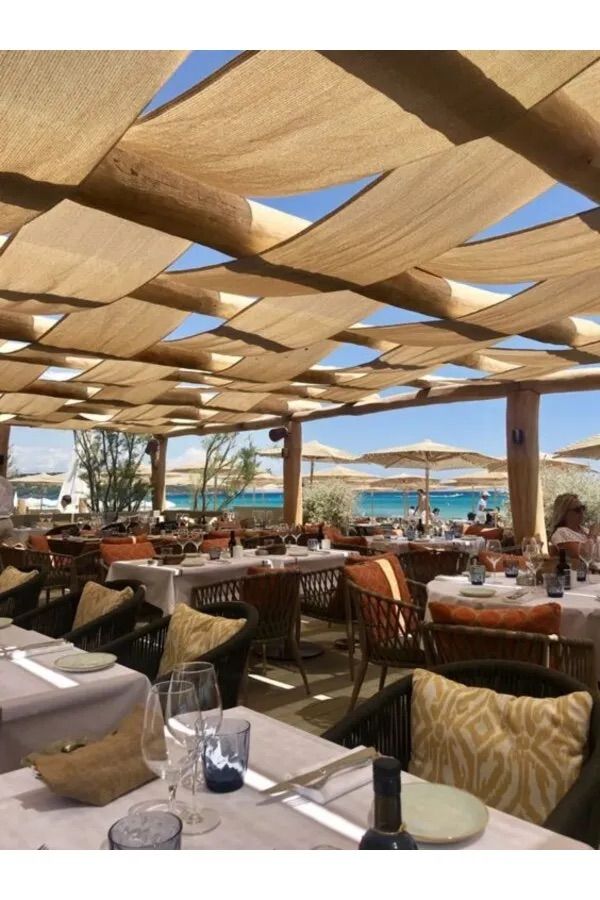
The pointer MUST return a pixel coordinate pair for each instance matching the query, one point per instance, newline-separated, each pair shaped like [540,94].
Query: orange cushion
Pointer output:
[333,533]
[351,541]
[39,542]
[222,534]
[472,529]
[121,552]
[542,619]
[221,543]
[484,559]
[124,539]
[368,574]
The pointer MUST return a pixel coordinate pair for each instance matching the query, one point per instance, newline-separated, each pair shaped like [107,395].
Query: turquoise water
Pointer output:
[452,504]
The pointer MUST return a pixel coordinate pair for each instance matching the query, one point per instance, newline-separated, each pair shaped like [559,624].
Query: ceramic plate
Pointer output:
[4,623]
[477,591]
[85,662]
[192,561]
[440,814]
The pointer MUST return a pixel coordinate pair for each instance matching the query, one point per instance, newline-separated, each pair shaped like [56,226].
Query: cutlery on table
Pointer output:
[38,646]
[317,777]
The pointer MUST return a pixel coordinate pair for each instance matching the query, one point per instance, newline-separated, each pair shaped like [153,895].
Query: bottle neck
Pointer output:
[388,813]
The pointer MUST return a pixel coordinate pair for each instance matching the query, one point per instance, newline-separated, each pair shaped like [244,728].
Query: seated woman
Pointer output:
[567,530]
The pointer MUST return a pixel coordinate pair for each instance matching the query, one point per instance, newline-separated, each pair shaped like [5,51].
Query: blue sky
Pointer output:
[564,417]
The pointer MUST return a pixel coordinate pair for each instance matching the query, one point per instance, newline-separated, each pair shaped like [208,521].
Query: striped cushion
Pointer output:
[192,633]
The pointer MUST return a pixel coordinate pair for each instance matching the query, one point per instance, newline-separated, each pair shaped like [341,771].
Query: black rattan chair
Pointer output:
[55,619]
[383,722]
[424,564]
[142,649]
[21,599]
[323,597]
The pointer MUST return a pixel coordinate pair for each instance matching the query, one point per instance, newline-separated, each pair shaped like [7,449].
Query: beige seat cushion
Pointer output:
[97,600]
[11,578]
[192,633]
[517,754]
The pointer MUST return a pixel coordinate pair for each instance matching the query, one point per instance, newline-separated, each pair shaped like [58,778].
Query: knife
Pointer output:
[57,643]
[338,765]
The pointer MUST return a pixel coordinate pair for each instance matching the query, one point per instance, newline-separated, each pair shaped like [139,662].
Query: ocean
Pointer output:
[452,504]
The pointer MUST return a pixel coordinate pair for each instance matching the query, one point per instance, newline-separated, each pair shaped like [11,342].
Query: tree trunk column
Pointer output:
[292,475]
[4,442]
[158,463]
[523,463]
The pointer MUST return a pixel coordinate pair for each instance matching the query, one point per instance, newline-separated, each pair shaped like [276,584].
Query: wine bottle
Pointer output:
[388,831]
[564,569]
[320,535]
[231,542]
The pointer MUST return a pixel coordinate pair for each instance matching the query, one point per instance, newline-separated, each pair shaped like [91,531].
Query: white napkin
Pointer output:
[338,784]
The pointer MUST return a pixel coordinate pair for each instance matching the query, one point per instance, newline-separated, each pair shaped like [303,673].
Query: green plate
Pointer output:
[440,814]
[477,591]
[85,662]
[4,623]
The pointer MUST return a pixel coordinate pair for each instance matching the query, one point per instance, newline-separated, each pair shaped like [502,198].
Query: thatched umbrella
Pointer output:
[315,452]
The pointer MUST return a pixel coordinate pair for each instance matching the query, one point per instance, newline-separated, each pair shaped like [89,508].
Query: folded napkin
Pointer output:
[338,784]
[100,771]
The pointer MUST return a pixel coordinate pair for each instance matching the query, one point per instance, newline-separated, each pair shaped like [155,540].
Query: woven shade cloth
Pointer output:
[100,200]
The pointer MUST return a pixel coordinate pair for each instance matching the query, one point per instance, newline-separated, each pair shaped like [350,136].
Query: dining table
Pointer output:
[33,816]
[167,585]
[40,704]
[400,544]
[580,616]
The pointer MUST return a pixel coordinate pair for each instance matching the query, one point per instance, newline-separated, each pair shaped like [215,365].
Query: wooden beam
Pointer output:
[158,464]
[292,475]
[523,464]
[4,445]
[135,188]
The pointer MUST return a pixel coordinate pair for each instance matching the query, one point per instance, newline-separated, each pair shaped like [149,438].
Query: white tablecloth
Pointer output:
[31,815]
[400,544]
[168,585]
[580,610]
[34,711]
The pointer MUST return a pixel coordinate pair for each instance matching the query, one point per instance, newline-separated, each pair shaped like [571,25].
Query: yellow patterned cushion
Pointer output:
[517,754]
[97,600]
[192,633]
[11,578]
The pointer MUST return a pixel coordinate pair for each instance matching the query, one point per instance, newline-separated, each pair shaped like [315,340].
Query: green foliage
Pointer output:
[109,465]
[571,480]
[232,468]
[332,503]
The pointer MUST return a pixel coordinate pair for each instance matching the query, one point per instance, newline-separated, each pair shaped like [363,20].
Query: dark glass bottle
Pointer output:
[563,568]
[421,527]
[388,832]
[231,542]
[320,535]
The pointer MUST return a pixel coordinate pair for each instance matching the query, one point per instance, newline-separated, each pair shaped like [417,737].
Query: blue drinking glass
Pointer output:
[225,756]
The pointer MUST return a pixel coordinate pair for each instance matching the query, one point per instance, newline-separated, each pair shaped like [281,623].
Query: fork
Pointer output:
[43,847]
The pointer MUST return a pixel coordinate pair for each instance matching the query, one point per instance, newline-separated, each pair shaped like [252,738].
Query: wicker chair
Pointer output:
[323,597]
[459,643]
[389,634]
[424,564]
[383,722]
[56,618]
[142,649]
[21,599]
[220,592]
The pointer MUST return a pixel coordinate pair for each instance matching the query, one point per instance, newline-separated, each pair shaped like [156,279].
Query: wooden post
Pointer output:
[158,463]
[427,517]
[4,442]
[292,475]
[523,463]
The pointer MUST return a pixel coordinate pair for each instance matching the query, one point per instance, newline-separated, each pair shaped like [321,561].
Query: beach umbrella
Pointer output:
[546,459]
[343,473]
[315,452]
[480,479]
[427,455]
[404,482]
[43,479]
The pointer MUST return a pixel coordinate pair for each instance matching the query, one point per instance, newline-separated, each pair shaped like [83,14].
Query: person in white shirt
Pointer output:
[482,507]
[422,504]
[7,505]
[567,530]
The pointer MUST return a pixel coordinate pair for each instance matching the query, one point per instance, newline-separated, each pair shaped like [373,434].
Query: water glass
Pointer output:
[146,831]
[511,567]
[312,544]
[214,553]
[477,574]
[225,756]
[554,584]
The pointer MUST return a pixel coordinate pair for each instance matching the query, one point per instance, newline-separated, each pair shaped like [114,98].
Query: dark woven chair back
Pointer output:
[388,629]
[424,564]
[64,529]
[190,547]
[459,643]
[275,595]
[23,598]
[86,567]
[221,592]
[322,594]
[13,556]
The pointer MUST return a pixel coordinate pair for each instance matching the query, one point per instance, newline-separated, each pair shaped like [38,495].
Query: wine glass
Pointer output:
[494,552]
[532,551]
[194,728]
[586,554]
[161,752]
